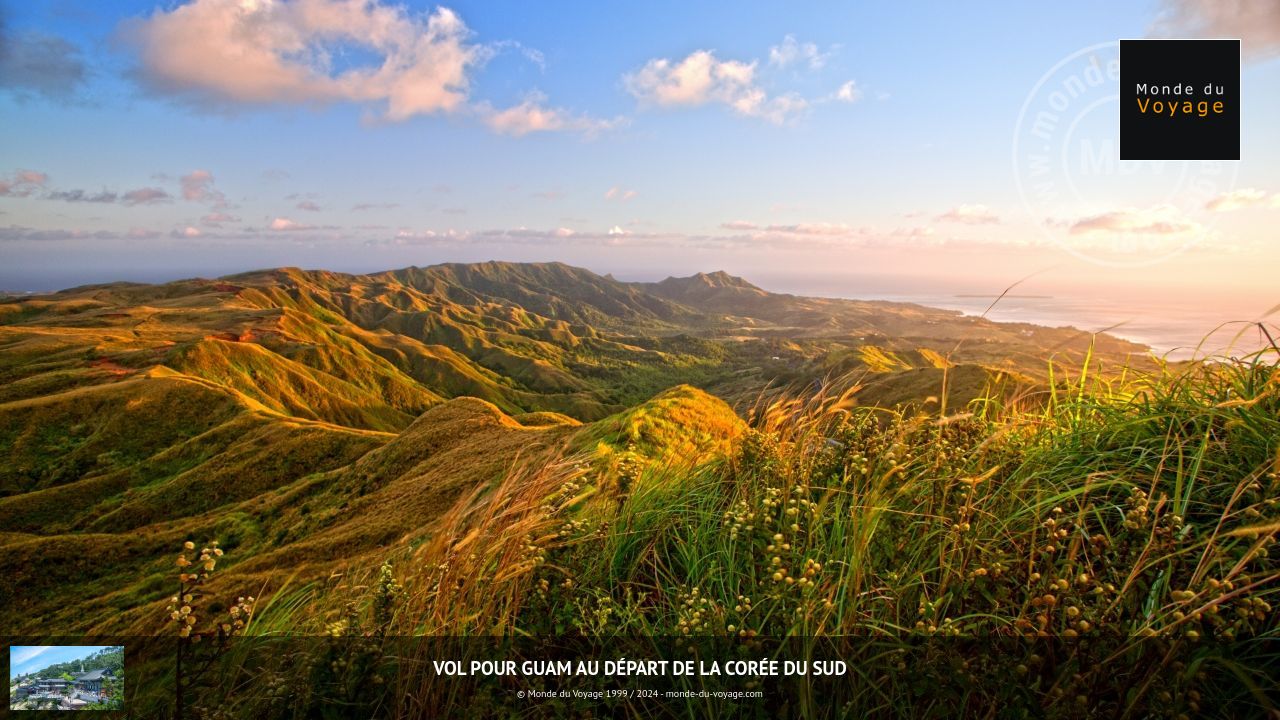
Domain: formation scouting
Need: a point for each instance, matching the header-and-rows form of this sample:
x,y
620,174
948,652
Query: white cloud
x,y
1242,198
278,52
1255,22
409,237
270,52
533,55
701,78
532,115
21,655
915,232
197,186
826,234
970,215
22,183
190,232
1157,220
791,52
559,236
617,193
827,229
285,224
849,92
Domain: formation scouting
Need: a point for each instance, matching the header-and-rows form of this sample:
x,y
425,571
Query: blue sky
x,y
24,659
865,141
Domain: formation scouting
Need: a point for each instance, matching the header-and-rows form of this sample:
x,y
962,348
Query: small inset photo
x,y
66,677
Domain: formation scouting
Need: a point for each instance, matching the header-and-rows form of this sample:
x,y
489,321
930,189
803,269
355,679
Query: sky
x,y
853,149
24,659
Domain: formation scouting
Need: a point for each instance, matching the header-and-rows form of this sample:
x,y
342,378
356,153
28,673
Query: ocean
x,y
1176,331
1175,325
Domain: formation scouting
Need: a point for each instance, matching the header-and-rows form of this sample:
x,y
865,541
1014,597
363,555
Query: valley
x,y
312,419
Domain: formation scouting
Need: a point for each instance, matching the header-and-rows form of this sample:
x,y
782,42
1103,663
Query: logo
x,y
1180,99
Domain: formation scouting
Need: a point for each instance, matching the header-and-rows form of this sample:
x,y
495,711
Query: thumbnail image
x,y
66,677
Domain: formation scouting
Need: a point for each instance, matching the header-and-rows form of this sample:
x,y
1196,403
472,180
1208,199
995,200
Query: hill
x,y
307,419
1109,551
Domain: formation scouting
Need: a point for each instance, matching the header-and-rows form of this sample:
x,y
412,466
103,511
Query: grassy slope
x,y
301,417
311,524
1112,510
1146,488
131,462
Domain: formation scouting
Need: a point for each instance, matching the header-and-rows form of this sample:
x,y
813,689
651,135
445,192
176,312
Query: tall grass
x,y
1124,507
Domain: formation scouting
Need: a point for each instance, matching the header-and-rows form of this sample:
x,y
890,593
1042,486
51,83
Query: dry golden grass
x,y
302,416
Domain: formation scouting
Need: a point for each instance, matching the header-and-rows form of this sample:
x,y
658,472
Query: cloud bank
x,y
1255,22
1242,198
267,52
1158,220
293,52
22,183
970,215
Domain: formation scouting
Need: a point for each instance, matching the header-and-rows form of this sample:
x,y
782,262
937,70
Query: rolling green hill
x,y
308,419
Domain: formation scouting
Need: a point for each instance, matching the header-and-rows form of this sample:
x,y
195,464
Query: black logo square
x,y
1179,99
